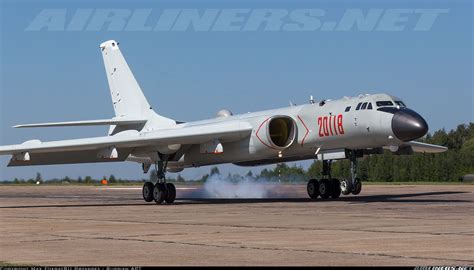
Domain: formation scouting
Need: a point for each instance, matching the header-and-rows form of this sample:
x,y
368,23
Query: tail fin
x,y
127,96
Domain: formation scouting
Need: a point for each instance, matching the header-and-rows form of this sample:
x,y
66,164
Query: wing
x,y
426,147
114,121
118,147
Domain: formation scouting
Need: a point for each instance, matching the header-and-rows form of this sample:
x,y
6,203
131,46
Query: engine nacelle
x,y
275,134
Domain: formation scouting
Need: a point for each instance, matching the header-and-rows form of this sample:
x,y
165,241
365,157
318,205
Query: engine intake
x,y
279,132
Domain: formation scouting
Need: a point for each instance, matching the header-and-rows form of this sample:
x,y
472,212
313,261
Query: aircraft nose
x,y
408,125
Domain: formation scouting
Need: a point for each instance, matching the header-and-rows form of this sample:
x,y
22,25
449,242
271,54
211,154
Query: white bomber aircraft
x,y
329,130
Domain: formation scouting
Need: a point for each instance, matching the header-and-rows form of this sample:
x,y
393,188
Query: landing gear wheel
x,y
313,188
346,187
159,193
147,191
171,193
325,188
336,188
357,186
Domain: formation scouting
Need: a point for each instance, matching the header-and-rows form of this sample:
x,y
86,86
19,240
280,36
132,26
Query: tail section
x,y
127,96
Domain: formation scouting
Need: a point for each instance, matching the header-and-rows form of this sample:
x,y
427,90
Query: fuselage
x,y
301,132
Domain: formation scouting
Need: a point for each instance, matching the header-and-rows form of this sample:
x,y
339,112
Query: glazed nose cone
x,y
408,125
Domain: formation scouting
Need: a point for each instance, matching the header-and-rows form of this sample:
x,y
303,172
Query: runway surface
x,y
384,225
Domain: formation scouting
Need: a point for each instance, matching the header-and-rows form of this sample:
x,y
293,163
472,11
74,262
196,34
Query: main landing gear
x,y
160,191
331,187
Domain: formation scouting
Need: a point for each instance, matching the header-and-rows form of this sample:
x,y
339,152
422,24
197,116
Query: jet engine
x,y
277,133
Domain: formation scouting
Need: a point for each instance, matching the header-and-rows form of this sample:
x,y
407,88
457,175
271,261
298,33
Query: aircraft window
x,y
369,107
348,108
400,103
364,106
384,103
358,106
388,109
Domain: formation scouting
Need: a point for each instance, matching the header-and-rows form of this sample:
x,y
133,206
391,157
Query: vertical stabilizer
x,y
127,97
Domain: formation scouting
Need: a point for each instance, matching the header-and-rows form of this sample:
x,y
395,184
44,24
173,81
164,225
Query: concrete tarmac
x,y
91,225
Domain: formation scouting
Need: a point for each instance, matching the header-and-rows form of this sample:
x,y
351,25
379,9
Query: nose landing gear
x,y
354,185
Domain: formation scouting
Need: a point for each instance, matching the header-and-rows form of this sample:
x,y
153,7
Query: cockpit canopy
x,y
389,103
380,102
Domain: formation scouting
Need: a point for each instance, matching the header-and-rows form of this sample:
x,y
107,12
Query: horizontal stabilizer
x,y
102,122
426,147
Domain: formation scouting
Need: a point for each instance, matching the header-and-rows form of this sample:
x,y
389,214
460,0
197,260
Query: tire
x,y
147,191
313,188
325,188
171,193
345,187
336,188
357,186
159,193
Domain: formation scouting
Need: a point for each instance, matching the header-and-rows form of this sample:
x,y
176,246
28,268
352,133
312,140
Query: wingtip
x,y
21,126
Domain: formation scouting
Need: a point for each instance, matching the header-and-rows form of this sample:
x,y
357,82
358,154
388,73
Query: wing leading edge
x,y
88,150
101,122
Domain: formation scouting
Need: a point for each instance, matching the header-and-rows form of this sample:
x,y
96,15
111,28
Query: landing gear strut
x,y
353,185
160,191
331,187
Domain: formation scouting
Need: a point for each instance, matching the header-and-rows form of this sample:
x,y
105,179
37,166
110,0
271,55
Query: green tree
x,y
112,179
249,174
180,178
214,171
88,180
314,170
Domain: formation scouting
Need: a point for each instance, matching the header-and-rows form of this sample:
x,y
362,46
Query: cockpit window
x,y
400,103
358,106
384,103
364,106
369,107
348,108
